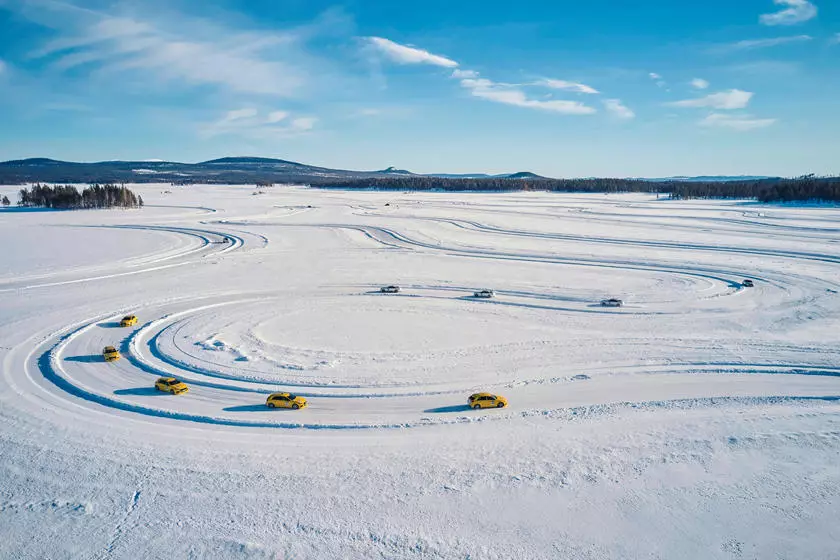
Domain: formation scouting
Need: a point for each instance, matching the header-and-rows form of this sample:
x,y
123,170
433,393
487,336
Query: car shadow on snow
x,y
139,391
252,408
109,325
86,359
445,409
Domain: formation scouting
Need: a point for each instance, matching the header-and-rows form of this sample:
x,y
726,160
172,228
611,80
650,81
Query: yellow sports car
x,y
285,400
171,385
111,354
128,321
486,400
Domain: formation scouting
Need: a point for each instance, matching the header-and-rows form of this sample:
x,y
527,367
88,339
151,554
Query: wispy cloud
x,y
797,11
660,81
567,86
250,123
509,94
238,114
835,40
162,46
752,44
303,124
699,83
726,100
617,108
404,54
461,74
2,66
735,122
765,68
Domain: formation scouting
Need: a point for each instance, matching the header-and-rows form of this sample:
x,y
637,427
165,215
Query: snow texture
x,y
699,420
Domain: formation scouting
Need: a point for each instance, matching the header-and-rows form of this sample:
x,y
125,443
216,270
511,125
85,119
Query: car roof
x,y
482,395
110,348
279,394
167,379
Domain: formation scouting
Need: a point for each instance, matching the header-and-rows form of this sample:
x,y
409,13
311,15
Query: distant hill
x,y
243,170
519,175
226,170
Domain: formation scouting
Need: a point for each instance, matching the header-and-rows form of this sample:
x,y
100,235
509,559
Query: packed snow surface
x,y
699,420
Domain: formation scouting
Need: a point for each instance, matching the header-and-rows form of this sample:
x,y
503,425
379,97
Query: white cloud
x,y
249,123
752,44
237,114
567,86
699,83
727,100
660,82
797,11
735,122
617,108
2,66
304,123
276,116
166,47
512,95
461,74
835,40
404,54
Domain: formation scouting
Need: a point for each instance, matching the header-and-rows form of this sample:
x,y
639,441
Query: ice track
x,y
699,420
219,346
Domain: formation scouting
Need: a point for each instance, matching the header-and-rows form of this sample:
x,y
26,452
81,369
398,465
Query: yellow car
x,y
111,354
486,400
171,385
285,400
128,321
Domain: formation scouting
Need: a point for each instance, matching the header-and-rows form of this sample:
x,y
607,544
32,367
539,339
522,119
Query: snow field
x,y
698,421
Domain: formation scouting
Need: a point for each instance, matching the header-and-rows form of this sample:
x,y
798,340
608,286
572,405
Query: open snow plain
x,y
701,420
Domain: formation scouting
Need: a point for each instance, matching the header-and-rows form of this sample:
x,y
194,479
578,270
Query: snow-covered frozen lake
x,y
699,420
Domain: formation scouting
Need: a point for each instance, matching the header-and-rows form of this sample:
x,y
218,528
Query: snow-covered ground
x,y
700,420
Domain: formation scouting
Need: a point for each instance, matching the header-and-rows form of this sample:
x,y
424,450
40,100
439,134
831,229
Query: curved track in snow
x,y
368,360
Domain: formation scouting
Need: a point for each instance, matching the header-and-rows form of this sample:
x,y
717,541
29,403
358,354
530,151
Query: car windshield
x,y
173,382
291,397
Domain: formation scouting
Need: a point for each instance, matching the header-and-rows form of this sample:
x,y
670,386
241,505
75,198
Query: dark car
x,y
612,302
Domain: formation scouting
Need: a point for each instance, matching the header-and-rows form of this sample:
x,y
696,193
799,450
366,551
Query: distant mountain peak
x,y
394,171
524,175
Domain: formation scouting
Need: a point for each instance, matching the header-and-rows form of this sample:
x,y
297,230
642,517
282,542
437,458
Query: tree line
x,y
803,188
69,197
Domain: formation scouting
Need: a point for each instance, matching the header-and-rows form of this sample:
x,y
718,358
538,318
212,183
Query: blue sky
x,y
561,88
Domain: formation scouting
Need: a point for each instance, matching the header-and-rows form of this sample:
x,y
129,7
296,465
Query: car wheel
x,y
500,405
271,405
296,406
476,406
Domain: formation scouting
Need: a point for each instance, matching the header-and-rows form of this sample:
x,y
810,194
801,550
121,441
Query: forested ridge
x,y
803,188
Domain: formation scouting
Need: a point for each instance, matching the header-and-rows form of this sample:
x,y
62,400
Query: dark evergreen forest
x,y
69,197
765,190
